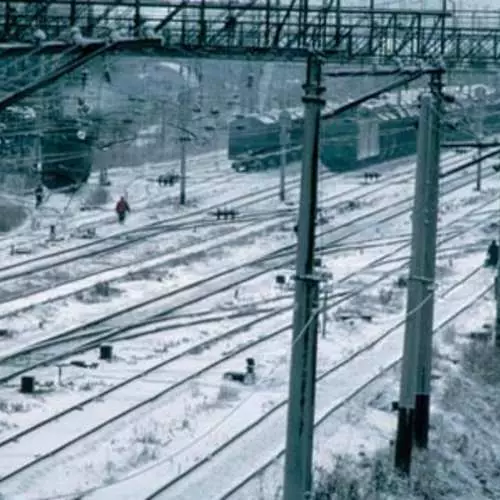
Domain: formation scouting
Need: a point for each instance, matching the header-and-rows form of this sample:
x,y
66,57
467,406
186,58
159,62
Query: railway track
x,y
191,221
193,217
162,323
190,215
25,299
126,239
222,474
181,298
271,418
14,440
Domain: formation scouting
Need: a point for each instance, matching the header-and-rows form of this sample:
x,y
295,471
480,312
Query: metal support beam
x,y
137,18
7,21
300,422
172,14
72,13
416,285
426,311
338,21
52,76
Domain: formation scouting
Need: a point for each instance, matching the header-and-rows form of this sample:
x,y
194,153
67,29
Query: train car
x,y
379,130
67,156
377,134
254,140
66,149
358,138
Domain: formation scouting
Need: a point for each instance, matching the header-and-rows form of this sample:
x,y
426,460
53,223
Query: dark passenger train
x,y
66,148
375,132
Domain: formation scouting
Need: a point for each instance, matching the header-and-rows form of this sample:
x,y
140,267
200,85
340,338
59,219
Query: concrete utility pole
x,y
300,423
103,170
426,312
183,139
481,96
40,122
416,293
285,122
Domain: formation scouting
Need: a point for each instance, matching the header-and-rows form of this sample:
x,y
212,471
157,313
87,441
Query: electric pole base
x,y
422,411
404,440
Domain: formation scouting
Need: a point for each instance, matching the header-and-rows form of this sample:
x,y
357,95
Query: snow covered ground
x,y
133,456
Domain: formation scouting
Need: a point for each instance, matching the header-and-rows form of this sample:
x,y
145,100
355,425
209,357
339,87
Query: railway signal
x,y
184,108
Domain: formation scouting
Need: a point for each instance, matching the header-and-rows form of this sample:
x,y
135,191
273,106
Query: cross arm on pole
x,y
386,88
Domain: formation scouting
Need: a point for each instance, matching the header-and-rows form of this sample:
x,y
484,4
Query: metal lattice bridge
x,y
267,29
70,33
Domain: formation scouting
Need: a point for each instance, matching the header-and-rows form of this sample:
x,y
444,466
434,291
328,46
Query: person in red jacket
x,y
122,207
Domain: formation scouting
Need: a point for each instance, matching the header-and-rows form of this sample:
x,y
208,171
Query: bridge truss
x,y
254,29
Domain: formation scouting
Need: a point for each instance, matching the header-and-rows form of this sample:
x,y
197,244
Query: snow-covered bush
x,y
482,360
228,392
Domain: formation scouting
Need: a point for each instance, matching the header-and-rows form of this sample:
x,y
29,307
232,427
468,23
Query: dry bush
x,y
376,479
342,483
14,406
101,291
385,296
228,392
483,361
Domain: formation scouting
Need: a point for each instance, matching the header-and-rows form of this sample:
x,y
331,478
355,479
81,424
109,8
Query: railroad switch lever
x,y
226,213
78,363
371,176
167,179
246,378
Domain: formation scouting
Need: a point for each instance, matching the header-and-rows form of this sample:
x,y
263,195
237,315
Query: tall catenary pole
x,y
300,422
481,96
416,285
284,133
183,138
426,311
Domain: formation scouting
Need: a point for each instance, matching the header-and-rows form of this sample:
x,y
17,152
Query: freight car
x,y
377,131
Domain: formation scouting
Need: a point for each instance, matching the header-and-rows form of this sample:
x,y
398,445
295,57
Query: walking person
x,y
122,207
